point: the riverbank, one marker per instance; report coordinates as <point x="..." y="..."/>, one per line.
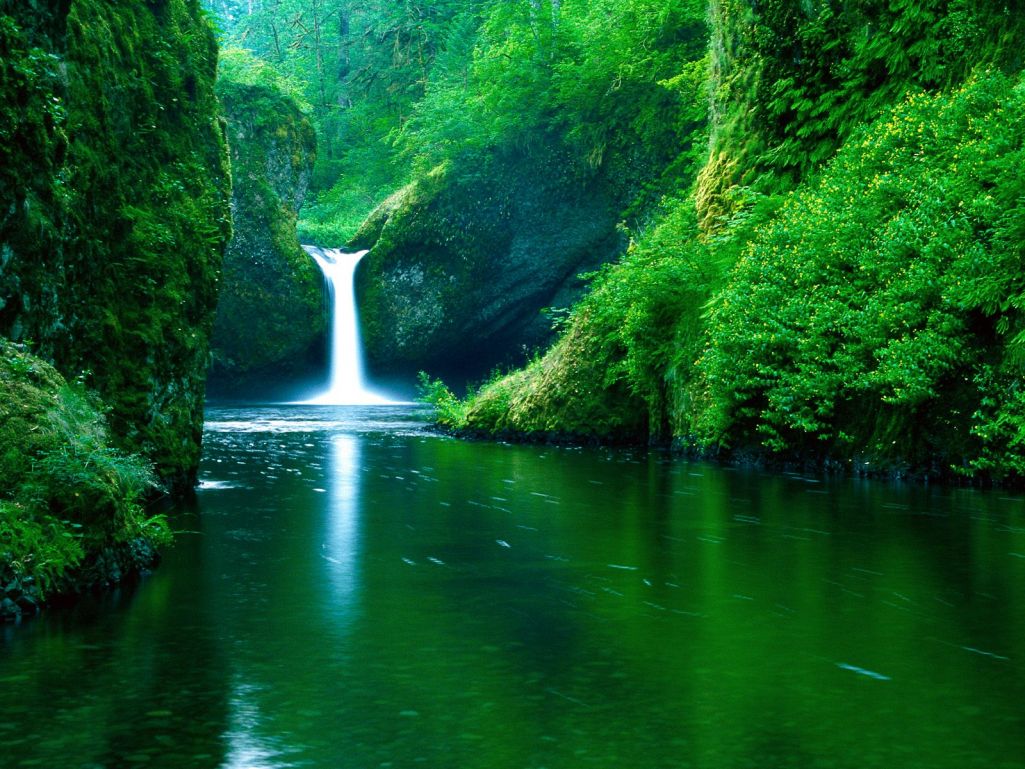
<point x="22" y="596"/>
<point x="862" y="466"/>
<point x="72" y="505"/>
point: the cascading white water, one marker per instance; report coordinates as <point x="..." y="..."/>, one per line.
<point x="348" y="384"/>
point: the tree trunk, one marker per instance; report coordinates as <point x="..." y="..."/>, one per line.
<point x="277" y="41"/>
<point x="535" y="12"/>
<point x="319" y="54"/>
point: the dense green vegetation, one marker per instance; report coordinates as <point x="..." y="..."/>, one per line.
<point x="792" y="80"/>
<point x="398" y="88"/>
<point x="879" y="312"/>
<point x="862" y="309"/>
<point x="270" y="310"/>
<point x="114" y="214"/>
<point x="114" y="202"/>
<point x="495" y="147"/>
<point x="66" y="495"/>
<point x="815" y="207"/>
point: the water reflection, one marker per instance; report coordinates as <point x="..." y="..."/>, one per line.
<point x="136" y="677"/>
<point x="297" y="571"/>
<point x="248" y="745"/>
<point x="367" y="594"/>
<point x="341" y="550"/>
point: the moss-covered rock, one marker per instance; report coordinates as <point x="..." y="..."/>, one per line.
<point x="871" y="319"/>
<point x="70" y="504"/>
<point x="464" y="259"/>
<point x="271" y="316"/>
<point x="114" y="214"/>
<point x="559" y="396"/>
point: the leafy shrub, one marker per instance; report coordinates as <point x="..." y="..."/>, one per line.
<point x="64" y="492"/>
<point x="449" y="411"/>
<point x="882" y="289"/>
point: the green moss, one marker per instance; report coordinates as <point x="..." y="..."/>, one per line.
<point x="575" y="391"/>
<point x="116" y="210"/>
<point x="271" y="309"/>
<point x="65" y="492"/>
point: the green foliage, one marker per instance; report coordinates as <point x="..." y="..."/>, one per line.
<point x="239" y="67"/>
<point x="620" y="83"/>
<point x="882" y="290"/>
<point x="37" y="546"/>
<point x="398" y="89"/>
<point x="361" y="67"/>
<point x="64" y="492"/>
<point x="791" y="79"/>
<point x="655" y="294"/>
<point x="116" y="211"/>
<point x="999" y="423"/>
<point x="449" y="411"/>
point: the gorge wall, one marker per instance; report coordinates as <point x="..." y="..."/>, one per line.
<point x="271" y="317"/>
<point x="461" y="265"/>
<point x="114" y="192"/>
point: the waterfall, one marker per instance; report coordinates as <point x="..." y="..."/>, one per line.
<point x="348" y="383"/>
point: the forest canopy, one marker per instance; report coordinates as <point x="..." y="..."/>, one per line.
<point x="397" y="89"/>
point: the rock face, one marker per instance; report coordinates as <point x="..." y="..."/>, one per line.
<point x="114" y="207"/>
<point x="271" y="316"/>
<point x="462" y="264"/>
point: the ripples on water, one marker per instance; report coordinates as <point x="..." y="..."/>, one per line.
<point x="398" y="420"/>
<point x="351" y="590"/>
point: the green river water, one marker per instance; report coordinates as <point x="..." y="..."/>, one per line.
<point x="350" y="590"/>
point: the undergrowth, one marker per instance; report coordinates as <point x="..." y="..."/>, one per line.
<point x="65" y="494"/>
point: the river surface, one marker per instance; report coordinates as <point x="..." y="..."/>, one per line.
<point x="352" y="591"/>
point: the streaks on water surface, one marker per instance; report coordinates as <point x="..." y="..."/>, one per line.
<point x="863" y="672"/>
<point x="735" y="575"/>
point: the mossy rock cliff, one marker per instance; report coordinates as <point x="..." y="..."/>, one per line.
<point x="843" y="288"/>
<point x="463" y="260"/>
<point x="271" y="317"/>
<point x="114" y="207"/>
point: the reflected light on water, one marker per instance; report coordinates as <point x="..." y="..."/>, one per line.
<point x="341" y="549"/>
<point x="247" y="748"/>
<point x="256" y="738"/>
